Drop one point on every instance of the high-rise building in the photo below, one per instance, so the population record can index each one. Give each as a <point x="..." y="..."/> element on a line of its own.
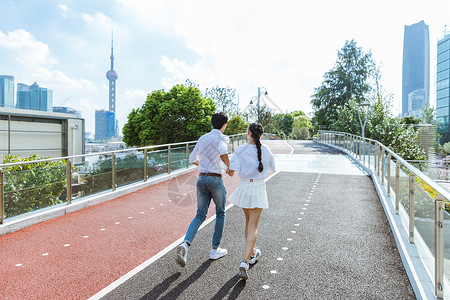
<point x="443" y="87"/>
<point x="6" y="91"/>
<point x="34" y="97"/>
<point x="416" y="68"/>
<point x="106" y="124"/>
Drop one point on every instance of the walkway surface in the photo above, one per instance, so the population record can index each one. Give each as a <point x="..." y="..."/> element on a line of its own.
<point x="325" y="236"/>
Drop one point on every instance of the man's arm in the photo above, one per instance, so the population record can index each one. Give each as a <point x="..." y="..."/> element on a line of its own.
<point x="226" y="161"/>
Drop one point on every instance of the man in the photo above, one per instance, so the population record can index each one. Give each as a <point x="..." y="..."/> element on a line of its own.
<point x="209" y="154"/>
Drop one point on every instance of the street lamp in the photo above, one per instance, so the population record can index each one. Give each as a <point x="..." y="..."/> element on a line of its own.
<point x="363" y="126"/>
<point x="259" y="97"/>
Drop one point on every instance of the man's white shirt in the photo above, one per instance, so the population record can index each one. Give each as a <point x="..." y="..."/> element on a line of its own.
<point x="208" y="150"/>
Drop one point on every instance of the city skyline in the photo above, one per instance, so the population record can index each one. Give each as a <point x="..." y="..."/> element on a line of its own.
<point x="285" y="48"/>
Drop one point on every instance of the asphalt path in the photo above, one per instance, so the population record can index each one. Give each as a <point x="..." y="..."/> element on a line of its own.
<point x="324" y="236"/>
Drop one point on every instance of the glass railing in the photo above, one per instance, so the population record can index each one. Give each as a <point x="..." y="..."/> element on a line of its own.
<point x="418" y="199"/>
<point x="28" y="186"/>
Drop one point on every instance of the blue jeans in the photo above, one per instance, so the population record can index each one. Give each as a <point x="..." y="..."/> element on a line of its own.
<point x="209" y="187"/>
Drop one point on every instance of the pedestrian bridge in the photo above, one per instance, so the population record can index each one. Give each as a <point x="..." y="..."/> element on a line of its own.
<point x="331" y="232"/>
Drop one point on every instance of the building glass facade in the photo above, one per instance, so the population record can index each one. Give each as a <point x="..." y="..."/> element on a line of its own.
<point x="6" y="91"/>
<point x="416" y="68"/>
<point x="105" y="125"/>
<point x="443" y="88"/>
<point x="34" y="97"/>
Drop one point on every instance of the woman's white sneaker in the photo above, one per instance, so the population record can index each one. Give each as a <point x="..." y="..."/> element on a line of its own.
<point x="253" y="259"/>
<point x="243" y="268"/>
<point x="217" y="253"/>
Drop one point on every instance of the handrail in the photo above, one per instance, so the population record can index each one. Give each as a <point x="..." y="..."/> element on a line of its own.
<point x="104" y="153"/>
<point x="416" y="171"/>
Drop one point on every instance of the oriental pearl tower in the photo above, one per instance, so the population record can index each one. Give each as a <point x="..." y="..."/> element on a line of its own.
<point x="112" y="76"/>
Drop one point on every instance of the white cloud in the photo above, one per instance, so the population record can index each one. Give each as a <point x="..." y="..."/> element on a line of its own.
<point x="98" y="19"/>
<point x="58" y="80"/>
<point x="63" y="7"/>
<point x="26" y="49"/>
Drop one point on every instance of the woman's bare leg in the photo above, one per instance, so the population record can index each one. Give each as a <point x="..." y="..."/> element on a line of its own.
<point x="252" y="216"/>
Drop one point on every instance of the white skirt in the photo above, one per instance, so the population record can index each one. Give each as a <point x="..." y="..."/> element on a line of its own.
<point x="251" y="193"/>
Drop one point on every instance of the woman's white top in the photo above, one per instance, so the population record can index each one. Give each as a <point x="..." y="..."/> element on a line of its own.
<point x="245" y="161"/>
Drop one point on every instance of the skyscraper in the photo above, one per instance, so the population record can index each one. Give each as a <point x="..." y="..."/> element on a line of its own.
<point x="34" y="97"/>
<point x="416" y="68"/>
<point x="443" y="87"/>
<point x="6" y="91"/>
<point x="106" y="125"/>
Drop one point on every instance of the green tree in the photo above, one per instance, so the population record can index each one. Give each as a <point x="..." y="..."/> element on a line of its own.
<point x="349" y="78"/>
<point x="181" y="114"/>
<point x="428" y="114"/>
<point x="32" y="186"/>
<point x="281" y="123"/>
<point x="236" y="124"/>
<point x="300" y="133"/>
<point x="223" y="97"/>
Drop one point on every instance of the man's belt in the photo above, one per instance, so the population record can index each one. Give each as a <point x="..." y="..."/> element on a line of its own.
<point x="211" y="174"/>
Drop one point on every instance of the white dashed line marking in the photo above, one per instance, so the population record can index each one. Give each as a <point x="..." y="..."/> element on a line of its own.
<point x="44" y="254"/>
<point x="302" y="213"/>
<point x="66" y="245"/>
<point x="293" y="231"/>
<point x="18" y="265"/>
<point x="285" y="248"/>
<point x="152" y="208"/>
<point x="85" y="236"/>
<point x="141" y="212"/>
<point x="299" y="218"/>
<point x="279" y="259"/>
<point x="289" y="239"/>
<point x="130" y="217"/>
<point x="161" y="204"/>
<point x="296" y="224"/>
<point x="117" y="223"/>
<point x="265" y="287"/>
<point x="103" y="229"/>
<point x="304" y="208"/>
<point x="273" y="272"/>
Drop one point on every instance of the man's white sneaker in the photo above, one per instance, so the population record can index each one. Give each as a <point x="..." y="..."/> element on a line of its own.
<point x="182" y="250"/>
<point x="253" y="259"/>
<point x="243" y="268"/>
<point x="217" y="253"/>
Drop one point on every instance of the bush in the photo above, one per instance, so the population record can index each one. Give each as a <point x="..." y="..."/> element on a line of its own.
<point x="32" y="186"/>
<point x="446" y="148"/>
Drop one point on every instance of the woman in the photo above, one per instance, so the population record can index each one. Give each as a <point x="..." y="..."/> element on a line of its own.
<point x="252" y="161"/>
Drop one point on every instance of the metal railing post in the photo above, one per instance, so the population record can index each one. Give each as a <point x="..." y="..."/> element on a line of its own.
<point x="168" y="160"/>
<point x="69" y="181"/>
<point x="383" y="160"/>
<point x="375" y="157"/>
<point x="368" y="158"/>
<point x="2" y="197"/>
<point x="412" y="179"/>
<point x="145" y="165"/>
<point x="114" y="172"/>
<point x="397" y="187"/>
<point x="439" y="246"/>
<point x="389" y="174"/>
<point x="364" y="152"/>
<point x="187" y="155"/>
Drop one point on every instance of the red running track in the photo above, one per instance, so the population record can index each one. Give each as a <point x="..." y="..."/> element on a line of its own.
<point x="76" y="255"/>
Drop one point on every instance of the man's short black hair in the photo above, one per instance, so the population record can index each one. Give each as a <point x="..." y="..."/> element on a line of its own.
<point x="218" y="120"/>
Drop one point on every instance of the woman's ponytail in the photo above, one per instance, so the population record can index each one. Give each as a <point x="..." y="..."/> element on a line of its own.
<point x="256" y="131"/>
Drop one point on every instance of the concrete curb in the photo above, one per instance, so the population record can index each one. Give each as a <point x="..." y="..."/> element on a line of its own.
<point x="23" y="221"/>
<point x="418" y="275"/>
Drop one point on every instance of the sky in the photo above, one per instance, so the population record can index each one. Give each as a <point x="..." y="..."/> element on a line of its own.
<point x="284" y="46"/>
